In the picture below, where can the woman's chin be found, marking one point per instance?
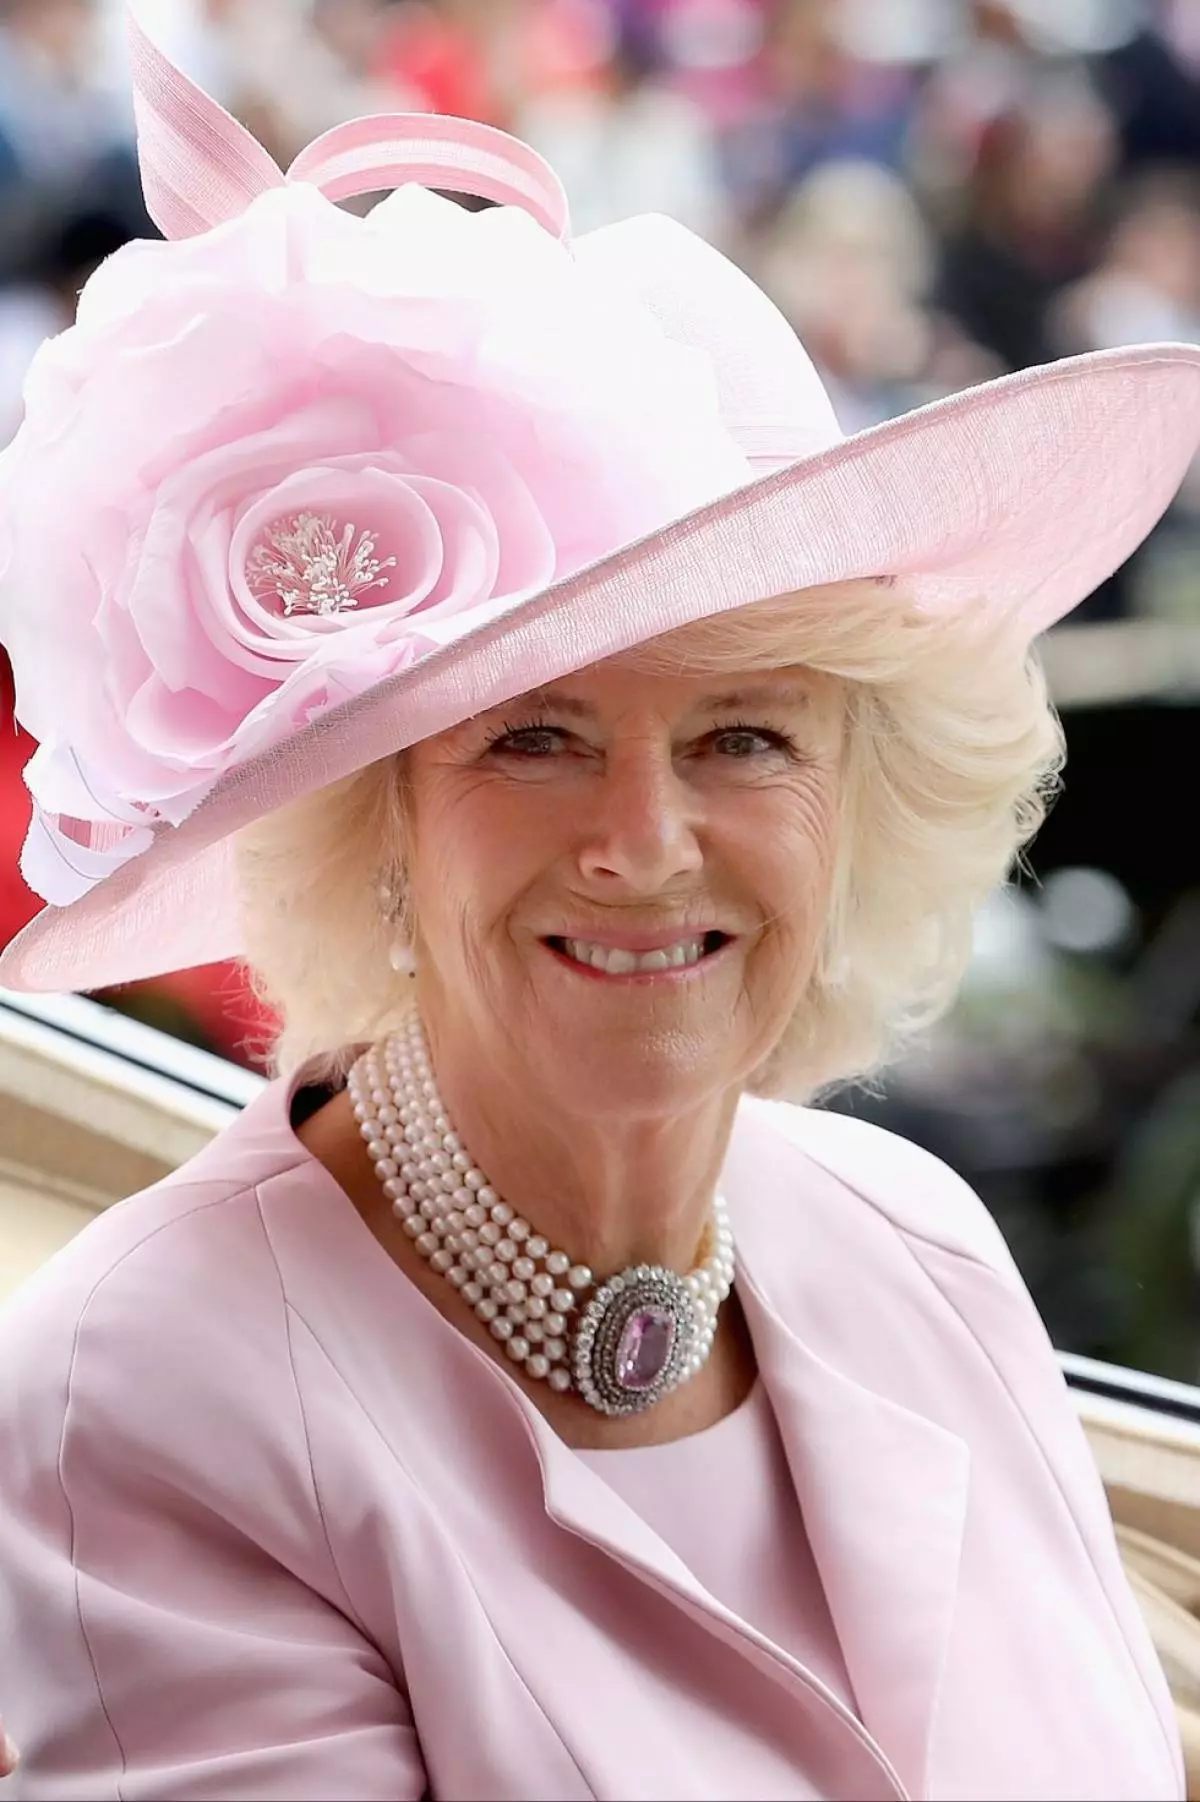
(630, 1079)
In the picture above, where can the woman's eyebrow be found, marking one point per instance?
(784, 693)
(543, 697)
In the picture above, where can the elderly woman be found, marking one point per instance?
(496, 644)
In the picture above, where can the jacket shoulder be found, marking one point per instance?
(160, 1332)
(168, 1245)
(162, 1533)
(134, 1300)
(916, 1192)
(982, 1302)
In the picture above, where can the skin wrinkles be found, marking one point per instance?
(604, 1108)
(627, 802)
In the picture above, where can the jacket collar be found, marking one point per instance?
(882, 1489)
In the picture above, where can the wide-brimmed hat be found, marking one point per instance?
(302, 487)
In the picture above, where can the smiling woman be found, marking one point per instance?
(594, 755)
(742, 858)
(891, 761)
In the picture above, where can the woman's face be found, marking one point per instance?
(620, 881)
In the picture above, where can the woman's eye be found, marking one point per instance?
(748, 741)
(528, 741)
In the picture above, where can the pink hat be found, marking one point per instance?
(301, 488)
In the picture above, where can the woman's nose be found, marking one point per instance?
(640, 832)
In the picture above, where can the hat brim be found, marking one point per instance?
(1021, 496)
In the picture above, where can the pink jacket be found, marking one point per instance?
(270, 1528)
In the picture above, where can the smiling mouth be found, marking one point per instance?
(615, 960)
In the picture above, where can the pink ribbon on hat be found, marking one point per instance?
(200, 167)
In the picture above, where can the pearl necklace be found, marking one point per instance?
(634, 1338)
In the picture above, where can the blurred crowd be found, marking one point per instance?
(934, 192)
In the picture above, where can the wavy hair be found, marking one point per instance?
(951, 756)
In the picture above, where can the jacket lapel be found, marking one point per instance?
(883, 1495)
(883, 1490)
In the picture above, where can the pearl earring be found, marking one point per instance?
(401, 958)
(400, 955)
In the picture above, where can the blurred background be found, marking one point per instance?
(935, 192)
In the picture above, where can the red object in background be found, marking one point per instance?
(479, 70)
(212, 1005)
(18, 904)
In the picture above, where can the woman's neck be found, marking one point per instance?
(610, 1191)
(609, 1215)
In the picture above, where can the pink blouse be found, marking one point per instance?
(745, 1542)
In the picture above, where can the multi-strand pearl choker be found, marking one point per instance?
(621, 1344)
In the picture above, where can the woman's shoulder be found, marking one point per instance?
(179, 1276)
(910, 1188)
(158, 1486)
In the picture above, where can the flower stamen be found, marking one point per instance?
(301, 561)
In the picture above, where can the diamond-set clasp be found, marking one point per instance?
(633, 1340)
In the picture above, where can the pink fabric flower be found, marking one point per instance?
(272, 464)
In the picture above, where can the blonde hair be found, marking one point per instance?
(952, 754)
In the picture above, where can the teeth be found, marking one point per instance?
(615, 961)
